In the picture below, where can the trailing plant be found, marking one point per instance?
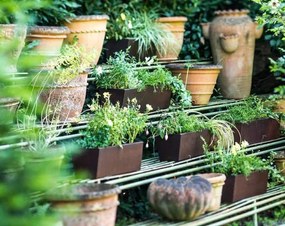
(111, 125)
(234, 161)
(123, 73)
(250, 109)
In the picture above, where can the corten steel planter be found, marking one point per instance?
(50, 40)
(158, 99)
(13, 34)
(66, 101)
(200, 80)
(176, 26)
(90, 31)
(232, 37)
(257, 131)
(86, 204)
(241, 187)
(217, 181)
(108, 161)
(182, 146)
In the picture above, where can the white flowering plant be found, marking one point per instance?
(111, 125)
(234, 161)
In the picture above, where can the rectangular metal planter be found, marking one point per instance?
(158, 99)
(108, 161)
(241, 187)
(182, 146)
(257, 131)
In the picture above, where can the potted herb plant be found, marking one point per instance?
(139, 31)
(254, 121)
(181, 136)
(279, 159)
(199, 79)
(246, 175)
(110, 140)
(123, 81)
(64, 88)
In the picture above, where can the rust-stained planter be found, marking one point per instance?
(158, 99)
(240, 187)
(257, 131)
(86, 204)
(101, 162)
(182, 146)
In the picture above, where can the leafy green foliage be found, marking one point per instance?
(122, 74)
(234, 161)
(251, 109)
(111, 125)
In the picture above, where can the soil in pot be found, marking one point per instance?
(86, 204)
(158, 99)
(257, 131)
(101, 162)
(240, 187)
(182, 146)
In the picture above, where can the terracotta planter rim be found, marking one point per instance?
(195, 66)
(56, 30)
(213, 177)
(90, 17)
(83, 191)
(231, 12)
(8, 100)
(12, 25)
(172, 19)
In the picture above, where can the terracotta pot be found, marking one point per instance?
(200, 80)
(13, 35)
(8, 105)
(257, 131)
(280, 164)
(90, 31)
(86, 204)
(108, 161)
(280, 106)
(50, 40)
(176, 26)
(240, 187)
(232, 37)
(65, 101)
(182, 146)
(217, 181)
(158, 99)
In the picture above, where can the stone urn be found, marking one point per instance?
(13, 36)
(232, 37)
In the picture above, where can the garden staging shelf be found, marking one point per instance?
(236, 211)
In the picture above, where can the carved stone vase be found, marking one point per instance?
(13, 36)
(232, 37)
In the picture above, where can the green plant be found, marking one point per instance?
(123, 73)
(234, 161)
(250, 109)
(111, 125)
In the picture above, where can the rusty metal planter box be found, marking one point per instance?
(108, 161)
(182, 146)
(240, 187)
(257, 131)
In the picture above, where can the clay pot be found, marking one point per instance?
(176, 26)
(14, 36)
(200, 80)
(50, 40)
(232, 37)
(8, 105)
(65, 101)
(280, 106)
(280, 164)
(90, 31)
(86, 204)
(217, 181)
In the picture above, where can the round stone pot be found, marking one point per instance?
(86, 204)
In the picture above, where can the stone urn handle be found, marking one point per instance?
(229, 43)
(205, 29)
(258, 30)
